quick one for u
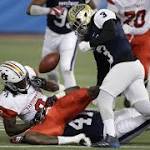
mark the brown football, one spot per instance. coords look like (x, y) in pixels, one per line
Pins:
(49, 62)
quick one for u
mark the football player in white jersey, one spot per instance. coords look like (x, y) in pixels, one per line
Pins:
(22, 91)
(119, 71)
(58, 36)
(135, 18)
(22, 97)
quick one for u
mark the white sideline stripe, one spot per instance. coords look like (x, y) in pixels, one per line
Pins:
(69, 146)
(2, 129)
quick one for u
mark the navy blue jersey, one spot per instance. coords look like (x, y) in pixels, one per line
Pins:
(91, 124)
(59, 24)
(108, 51)
(87, 122)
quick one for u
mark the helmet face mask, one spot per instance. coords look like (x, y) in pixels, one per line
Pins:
(79, 28)
(79, 18)
(14, 76)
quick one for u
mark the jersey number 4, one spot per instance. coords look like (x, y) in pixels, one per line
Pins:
(137, 17)
(80, 122)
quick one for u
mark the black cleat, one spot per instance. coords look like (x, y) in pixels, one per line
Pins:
(109, 141)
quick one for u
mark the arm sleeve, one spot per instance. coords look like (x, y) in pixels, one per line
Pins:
(107, 33)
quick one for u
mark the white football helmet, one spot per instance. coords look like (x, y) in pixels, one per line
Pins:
(14, 75)
(79, 17)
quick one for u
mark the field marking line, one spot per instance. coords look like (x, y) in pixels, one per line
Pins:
(69, 146)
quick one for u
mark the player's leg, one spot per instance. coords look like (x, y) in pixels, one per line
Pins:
(141, 49)
(68, 50)
(129, 124)
(50, 44)
(112, 86)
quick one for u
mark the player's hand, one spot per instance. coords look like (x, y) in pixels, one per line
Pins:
(84, 46)
(57, 11)
(16, 139)
(38, 82)
(39, 116)
(83, 140)
(51, 101)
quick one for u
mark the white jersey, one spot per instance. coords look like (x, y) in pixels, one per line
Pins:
(23, 105)
(135, 13)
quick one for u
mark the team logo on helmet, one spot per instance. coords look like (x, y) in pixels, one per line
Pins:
(4, 76)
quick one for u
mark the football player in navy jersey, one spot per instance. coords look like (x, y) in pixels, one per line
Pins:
(59, 37)
(129, 124)
(118, 70)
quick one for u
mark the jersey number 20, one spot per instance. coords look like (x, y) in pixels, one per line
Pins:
(137, 17)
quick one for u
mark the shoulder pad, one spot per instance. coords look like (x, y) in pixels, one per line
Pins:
(102, 16)
(125, 3)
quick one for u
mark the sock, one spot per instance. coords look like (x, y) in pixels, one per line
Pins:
(109, 127)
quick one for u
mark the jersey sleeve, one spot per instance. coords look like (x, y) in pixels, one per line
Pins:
(7, 113)
(102, 16)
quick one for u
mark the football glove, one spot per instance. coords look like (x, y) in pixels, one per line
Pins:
(50, 101)
(84, 46)
(39, 116)
(57, 11)
(38, 82)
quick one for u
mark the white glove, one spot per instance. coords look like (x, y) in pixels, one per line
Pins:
(84, 46)
(82, 140)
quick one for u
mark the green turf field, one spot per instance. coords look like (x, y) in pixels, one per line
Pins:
(26, 50)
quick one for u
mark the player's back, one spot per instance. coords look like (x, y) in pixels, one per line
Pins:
(117, 49)
(87, 122)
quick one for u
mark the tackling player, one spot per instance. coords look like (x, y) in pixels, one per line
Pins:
(23, 98)
(58, 36)
(118, 70)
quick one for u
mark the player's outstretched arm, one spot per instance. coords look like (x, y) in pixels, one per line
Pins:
(36, 8)
(40, 139)
(44, 84)
(12, 128)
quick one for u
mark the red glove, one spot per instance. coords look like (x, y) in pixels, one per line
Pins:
(57, 11)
